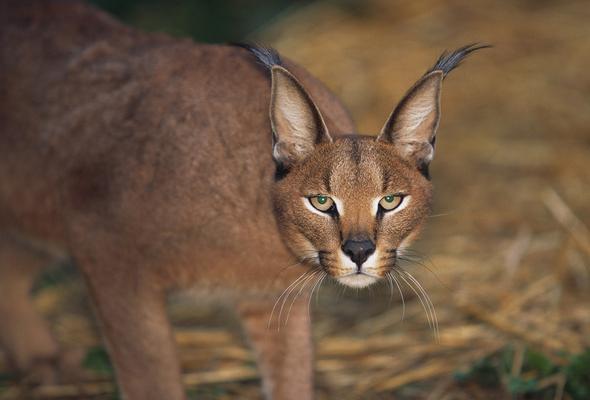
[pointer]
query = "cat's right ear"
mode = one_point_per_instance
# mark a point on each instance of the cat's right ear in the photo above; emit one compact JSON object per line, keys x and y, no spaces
{"x":297,"y":125}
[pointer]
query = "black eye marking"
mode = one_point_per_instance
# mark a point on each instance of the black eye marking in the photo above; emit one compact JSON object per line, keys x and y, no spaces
{"x":380,"y":213}
{"x":333,"y":211}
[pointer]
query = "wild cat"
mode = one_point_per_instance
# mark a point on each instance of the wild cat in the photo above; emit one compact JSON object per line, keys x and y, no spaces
{"x":157,"y":163}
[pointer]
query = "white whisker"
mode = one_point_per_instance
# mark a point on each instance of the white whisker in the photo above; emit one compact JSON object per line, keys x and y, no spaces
{"x":303,"y":285}
{"x":429,"y":302}
{"x":282,"y":294}
{"x":317,"y":294}
{"x":317,"y":284}
{"x":419,"y":295}
{"x":390,"y":284}
{"x":401,"y":295}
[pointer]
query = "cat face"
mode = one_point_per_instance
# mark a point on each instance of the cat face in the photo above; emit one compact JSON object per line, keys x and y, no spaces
{"x":349,"y":204}
{"x":350,"y":207}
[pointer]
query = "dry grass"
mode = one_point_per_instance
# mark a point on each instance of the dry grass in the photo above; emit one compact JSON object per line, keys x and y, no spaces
{"x":509,"y":244}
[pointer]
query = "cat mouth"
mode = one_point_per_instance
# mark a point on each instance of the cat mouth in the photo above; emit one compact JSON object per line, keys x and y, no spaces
{"x":358,"y":279}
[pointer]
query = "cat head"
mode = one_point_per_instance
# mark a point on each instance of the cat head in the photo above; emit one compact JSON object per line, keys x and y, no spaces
{"x":350,"y":204}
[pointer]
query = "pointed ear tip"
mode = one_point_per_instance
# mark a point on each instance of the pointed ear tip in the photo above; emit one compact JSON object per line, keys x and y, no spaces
{"x":437,"y":75}
{"x":279,"y":70}
{"x":432,"y":80}
{"x":280,"y":75}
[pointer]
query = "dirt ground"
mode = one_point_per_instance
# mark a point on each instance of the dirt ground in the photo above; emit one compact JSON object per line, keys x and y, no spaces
{"x":506,"y":257}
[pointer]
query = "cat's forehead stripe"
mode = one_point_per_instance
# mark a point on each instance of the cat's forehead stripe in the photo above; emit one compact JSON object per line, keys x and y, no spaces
{"x":326,"y":180}
{"x":385,"y":178}
{"x":355,"y":151}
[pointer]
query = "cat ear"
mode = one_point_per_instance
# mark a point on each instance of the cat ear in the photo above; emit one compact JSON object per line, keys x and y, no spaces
{"x":296,"y":122}
{"x":411,"y":127}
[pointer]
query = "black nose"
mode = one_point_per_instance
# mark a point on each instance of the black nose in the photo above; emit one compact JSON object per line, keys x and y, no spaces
{"x":358,"y":250}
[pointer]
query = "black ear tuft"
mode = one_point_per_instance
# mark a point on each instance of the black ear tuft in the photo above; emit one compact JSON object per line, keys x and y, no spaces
{"x":266,"y":56}
{"x":449,"y":61}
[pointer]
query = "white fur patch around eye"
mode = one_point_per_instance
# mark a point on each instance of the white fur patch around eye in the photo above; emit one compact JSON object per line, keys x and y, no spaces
{"x":375,"y":205}
{"x":337,"y":201}
{"x":404,"y":204}
{"x":339,"y":205}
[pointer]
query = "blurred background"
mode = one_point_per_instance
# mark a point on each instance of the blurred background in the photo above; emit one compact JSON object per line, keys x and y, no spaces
{"x":506,"y":256}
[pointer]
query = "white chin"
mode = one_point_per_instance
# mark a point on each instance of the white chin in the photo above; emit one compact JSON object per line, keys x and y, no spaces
{"x":357,"y":280}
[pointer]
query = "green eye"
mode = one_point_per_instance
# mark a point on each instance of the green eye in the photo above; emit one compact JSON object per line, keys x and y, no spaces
{"x":321,"y":202}
{"x":391,"y":202}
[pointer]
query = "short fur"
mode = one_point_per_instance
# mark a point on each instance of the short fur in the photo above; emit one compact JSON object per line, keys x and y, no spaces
{"x":150,"y":161}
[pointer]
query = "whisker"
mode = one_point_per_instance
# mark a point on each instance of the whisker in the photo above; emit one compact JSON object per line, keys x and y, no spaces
{"x":427,"y":296}
{"x":428,"y":300}
{"x":343,"y":290}
{"x":420,"y":263}
{"x":302,"y":284}
{"x":401,"y":295}
{"x":441,"y":215}
{"x":390,"y":284}
{"x":282,"y":294}
{"x":419,"y":295}
{"x":304,"y":259}
{"x":307,"y":256}
{"x":318,"y":282}
{"x":419,"y":287}
{"x":317,"y":294}
{"x":406,"y":251}
{"x":286,"y":297}
{"x":305,"y":282}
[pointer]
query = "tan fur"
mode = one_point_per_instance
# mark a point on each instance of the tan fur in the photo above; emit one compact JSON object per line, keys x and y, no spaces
{"x":149,"y":161}
{"x":352,"y":170}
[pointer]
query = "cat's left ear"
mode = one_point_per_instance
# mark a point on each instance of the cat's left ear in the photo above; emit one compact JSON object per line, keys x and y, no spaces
{"x":412,"y":125}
